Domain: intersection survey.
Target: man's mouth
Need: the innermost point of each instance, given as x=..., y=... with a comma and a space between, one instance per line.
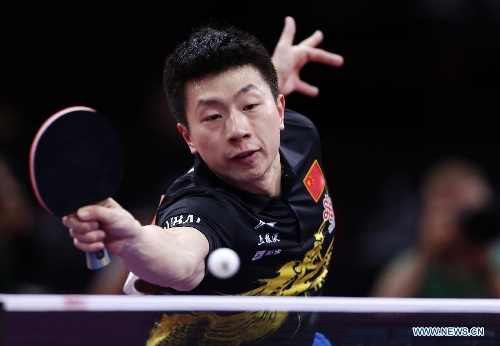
x=244, y=155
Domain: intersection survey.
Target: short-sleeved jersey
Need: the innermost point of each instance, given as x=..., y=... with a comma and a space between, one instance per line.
x=284, y=244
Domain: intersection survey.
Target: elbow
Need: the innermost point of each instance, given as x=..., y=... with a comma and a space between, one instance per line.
x=189, y=279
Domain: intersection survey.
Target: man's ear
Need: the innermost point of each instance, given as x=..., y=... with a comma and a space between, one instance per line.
x=187, y=137
x=280, y=103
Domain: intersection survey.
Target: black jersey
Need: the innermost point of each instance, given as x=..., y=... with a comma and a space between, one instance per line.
x=284, y=243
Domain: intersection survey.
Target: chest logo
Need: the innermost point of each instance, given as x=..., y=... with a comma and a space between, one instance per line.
x=315, y=181
x=262, y=223
x=268, y=238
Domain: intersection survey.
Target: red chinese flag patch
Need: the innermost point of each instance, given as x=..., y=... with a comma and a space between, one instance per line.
x=315, y=181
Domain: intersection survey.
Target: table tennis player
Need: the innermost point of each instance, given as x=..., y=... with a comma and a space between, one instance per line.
x=257, y=186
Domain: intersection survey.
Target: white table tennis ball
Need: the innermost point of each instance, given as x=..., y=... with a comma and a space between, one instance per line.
x=223, y=263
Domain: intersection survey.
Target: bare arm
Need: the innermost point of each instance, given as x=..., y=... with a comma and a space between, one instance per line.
x=494, y=285
x=402, y=277
x=169, y=258
x=494, y=270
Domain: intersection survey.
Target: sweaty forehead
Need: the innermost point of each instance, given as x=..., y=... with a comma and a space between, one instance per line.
x=224, y=87
x=233, y=78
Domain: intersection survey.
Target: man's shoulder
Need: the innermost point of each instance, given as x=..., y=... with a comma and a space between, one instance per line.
x=300, y=133
x=299, y=125
x=294, y=117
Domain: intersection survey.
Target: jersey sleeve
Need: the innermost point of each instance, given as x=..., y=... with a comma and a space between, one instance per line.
x=206, y=214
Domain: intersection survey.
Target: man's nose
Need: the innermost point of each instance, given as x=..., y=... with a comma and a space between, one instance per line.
x=238, y=127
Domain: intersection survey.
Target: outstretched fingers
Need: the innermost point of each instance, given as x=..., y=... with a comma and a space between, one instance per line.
x=322, y=56
x=319, y=55
x=288, y=32
x=306, y=88
x=314, y=40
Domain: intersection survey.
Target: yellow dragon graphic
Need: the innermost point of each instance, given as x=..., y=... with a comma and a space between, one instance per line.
x=211, y=329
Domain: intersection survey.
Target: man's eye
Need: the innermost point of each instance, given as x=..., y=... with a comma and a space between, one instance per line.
x=212, y=117
x=251, y=106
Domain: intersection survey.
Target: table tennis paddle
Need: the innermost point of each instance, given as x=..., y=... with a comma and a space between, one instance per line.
x=76, y=160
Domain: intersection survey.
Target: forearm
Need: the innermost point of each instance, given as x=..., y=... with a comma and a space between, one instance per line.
x=402, y=278
x=160, y=256
x=494, y=271
x=494, y=286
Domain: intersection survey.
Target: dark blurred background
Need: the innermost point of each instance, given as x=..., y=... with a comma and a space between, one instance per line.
x=420, y=81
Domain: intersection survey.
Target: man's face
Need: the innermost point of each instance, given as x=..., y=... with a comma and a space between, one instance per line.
x=234, y=124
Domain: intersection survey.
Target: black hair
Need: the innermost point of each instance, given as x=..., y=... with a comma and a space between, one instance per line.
x=210, y=50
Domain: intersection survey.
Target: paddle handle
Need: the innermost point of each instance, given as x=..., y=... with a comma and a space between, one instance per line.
x=98, y=259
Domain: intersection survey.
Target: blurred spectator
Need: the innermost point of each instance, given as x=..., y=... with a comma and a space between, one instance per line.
x=457, y=251
x=17, y=249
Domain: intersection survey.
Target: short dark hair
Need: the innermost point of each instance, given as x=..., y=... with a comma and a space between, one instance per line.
x=211, y=50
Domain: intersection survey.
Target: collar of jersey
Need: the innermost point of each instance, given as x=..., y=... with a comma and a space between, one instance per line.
x=204, y=176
